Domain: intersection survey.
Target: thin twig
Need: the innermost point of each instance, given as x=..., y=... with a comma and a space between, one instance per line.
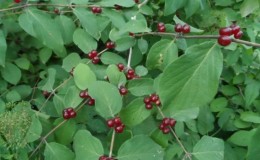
x=141, y=4
x=129, y=58
x=112, y=144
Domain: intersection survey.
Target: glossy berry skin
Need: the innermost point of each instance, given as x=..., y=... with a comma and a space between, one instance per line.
x=66, y=115
x=110, y=45
x=119, y=129
x=172, y=122
x=154, y=98
x=147, y=100
x=166, y=121
x=129, y=77
x=185, y=29
x=178, y=28
x=162, y=126
x=84, y=94
x=95, y=60
x=160, y=24
x=69, y=110
x=238, y=35
x=149, y=106
x=91, y=102
x=235, y=28
x=17, y=1
x=166, y=130
x=131, y=72
x=73, y=114
x=224, y=40
x=110, y=123
x=92, y=54
x=120, y=67
x=117, y=121
x=158, y=103
x=227, y=31
x=123, y=91
x=162, y=29
x=96, y=10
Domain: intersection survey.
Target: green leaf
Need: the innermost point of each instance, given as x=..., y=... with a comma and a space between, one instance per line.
x=141, y=71
x=161, y=54
x=254, y=147
x=200, y=67
x=171, y=6
x=3, y=48
x=192, y=7
x=142, y=45
x=43, y=27
x=112, y=58
x=124, y=43
x=141, y=86
x=11, y=73
x=65, y=133
x=86, y=146
x=22, y=63
x=218, y=104
x=13, y=96
x=84, y=41
x=251, y=92
x=67, y=27
x=184, y=114
x=140, y=147
x=45, y=55
x=241, y=138
x=90, y=23
x=83, y=76
x=205, y=120
x=250, y=116
x=135, y=26
x=115, y=76
x=48, y=86
x=111, y=3
x=108, y=101
x=115, y=17
x=35, y=130
x=134, y=113
x=71, y=61
x=209, y=148
x=72, y=98
x=55, y=151
x=248, y=7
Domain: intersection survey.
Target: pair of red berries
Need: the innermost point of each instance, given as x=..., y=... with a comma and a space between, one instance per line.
x=85, y=95
x=93, y=55
x=106, y=158
x=225, y=33
x=161, y=27
x=69, y=113
x=110, y=45
x=117, y=124
x=166, y=123
x=96, y=10
x=153, y=98
x=182, y=28
x=123, y=90
x=17, y=1
x=130, y=74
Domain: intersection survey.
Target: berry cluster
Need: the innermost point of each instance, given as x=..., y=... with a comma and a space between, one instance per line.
x=161, y=27
x=96, y=10
x=69, y=113
x=130, y=74
x=123, y=90
x=153, y=98
x=110, y=45
x=106, y=158
x=85, y=95
x=117, y=124
x=93, y=55
x=225, y=33
x=166, y=123
x=17, y=1
x=182, y=28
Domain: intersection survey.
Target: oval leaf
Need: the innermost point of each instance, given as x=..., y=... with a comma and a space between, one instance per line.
x=83, y=76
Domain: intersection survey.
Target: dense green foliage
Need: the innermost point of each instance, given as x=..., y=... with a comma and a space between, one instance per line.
x=210, y=90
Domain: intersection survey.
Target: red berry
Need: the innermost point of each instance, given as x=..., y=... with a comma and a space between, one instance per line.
x=162, y=29
x=123, y=90
x=119, y=129
x=102, y=158
x=154, y=98
x=56, y=11
x=238, y=35
x=73, y=114
x=17, y=1
x=120, y=67
x=166, y=130
x=227, y=31
x=117, y=121
x=91, y=102
x=129, y=77
x=178, y=28
x=158, y=102
x=96, y=10
x=235, y=28
x=131, y=72
x=70, y=109
x=162, y=126
x=186, y=29
x=224, y=40
x=92, y=54
x=110, y=123
x=160, y=24
x=166, y=121
x=147, y=100
x=110, y=45
x=95, y=60
x=148, y=106
x=99, y=10
x=136, y=1
x=66, y=115
x=172, y=122
x=118, y=7
x=131, y=34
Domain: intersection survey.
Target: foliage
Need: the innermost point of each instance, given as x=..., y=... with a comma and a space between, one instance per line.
x=210, y=90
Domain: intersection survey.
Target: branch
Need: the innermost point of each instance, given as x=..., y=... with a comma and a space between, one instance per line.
x=112, y=144
x=129, y=58
x=141, y=4
x=178, y=36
